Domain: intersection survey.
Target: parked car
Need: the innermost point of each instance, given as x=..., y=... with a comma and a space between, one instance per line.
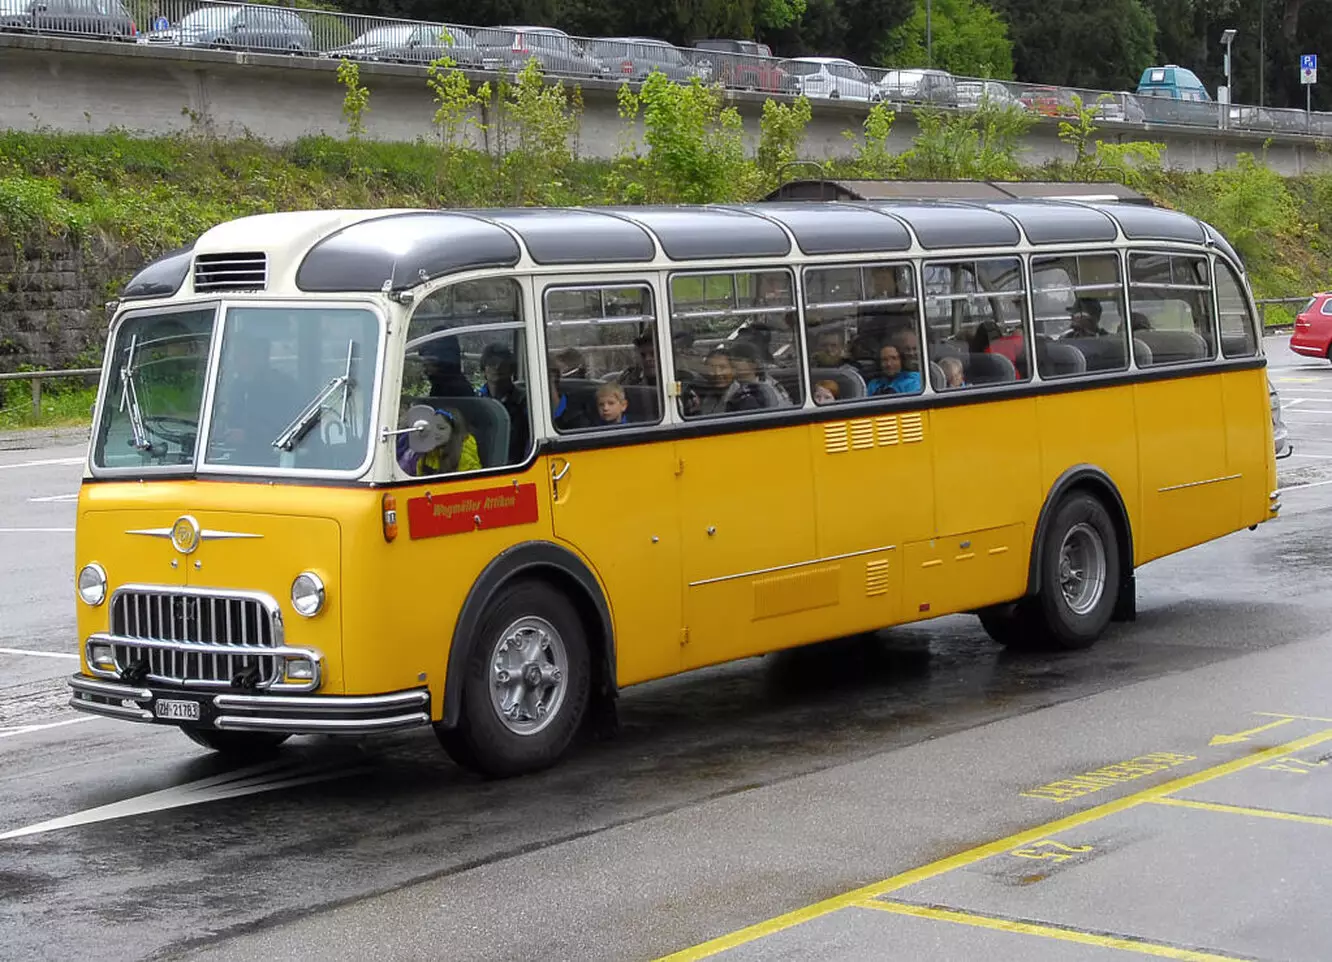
x=917, y=86
x=971, y=93
x=1062, y=102
x=101, y=19
x=828, y=78
x=510, y=48
x=744, y=65
x=633, y=58
x=269, y=29
x=368, y=45
x=1175, y=83
x=1313, y=328
x=431, y=41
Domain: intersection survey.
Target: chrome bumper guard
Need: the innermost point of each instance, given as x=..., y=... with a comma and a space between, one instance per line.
x=290, y=714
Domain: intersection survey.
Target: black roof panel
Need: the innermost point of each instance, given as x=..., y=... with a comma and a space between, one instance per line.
x=575, y=236
x=953, y=225
x=404, y=250
x=700, y=233
x=839, y=228
x=162, y=277
x=1055, y=223
x=1155, y=223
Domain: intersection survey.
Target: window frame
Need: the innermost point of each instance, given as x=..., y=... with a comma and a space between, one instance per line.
x=1025, y=322
x=1208, y=289
x=1121, y=265
x=1218, y=265
x=544, y=287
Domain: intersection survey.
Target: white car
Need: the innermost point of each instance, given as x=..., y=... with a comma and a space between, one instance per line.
x=828, y=78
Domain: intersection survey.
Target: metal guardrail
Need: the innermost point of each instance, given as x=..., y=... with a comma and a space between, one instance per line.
x=1263, y=303
x=36, y=377
x=313, y=33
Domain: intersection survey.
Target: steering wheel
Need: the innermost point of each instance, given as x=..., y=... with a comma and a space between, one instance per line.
x=162, y=425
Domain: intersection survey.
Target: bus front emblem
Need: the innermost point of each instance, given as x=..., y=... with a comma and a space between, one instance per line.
x=185, y=534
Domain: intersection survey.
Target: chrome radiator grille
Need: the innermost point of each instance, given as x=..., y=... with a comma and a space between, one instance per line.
x=183, y=630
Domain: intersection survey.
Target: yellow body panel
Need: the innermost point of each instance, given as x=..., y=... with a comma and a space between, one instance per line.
x=719, y=547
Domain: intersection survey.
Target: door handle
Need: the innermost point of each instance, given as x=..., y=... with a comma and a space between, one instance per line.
x=558, y=469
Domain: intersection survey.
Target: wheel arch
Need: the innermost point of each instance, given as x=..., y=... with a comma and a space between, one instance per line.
x=1093, y=480
x=564, y=570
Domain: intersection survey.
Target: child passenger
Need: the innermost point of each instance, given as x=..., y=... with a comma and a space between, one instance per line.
x=612, y=405
x=952, y=369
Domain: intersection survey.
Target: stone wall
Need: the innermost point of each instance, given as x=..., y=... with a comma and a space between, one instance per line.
x=52, y=300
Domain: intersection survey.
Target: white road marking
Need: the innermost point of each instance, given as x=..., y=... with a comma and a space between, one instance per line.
x=36, y=530
x=55, y=497
x=1311, y=484
x=248, y=781
x=42, y=463
x=1321, y=457
x=38, y=654
x=29, y=729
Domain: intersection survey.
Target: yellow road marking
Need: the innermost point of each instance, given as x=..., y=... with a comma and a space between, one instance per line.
x=1047, y=932
x=1273, y=714
x=1244, y=735
x=874, y=889
x=1242, y=810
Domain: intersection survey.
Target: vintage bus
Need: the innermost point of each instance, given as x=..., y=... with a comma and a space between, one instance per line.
x=357, y=471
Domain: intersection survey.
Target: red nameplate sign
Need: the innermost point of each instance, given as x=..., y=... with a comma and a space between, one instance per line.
x=434, y=515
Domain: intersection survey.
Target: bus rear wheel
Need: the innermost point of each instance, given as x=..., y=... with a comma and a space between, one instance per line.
x=1080, y=575
x=526, y=686
x=236, y=744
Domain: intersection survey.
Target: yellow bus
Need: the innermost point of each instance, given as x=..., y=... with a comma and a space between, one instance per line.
x=358, y=471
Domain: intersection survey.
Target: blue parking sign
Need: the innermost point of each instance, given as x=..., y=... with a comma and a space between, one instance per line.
x=161, y=23
x=1308, y=61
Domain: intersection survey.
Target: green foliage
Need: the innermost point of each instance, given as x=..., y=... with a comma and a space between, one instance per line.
x=1103, y=44
x=1076, y=130
x=968, y=39
x=458, y=114
x=982, y=144
x=537, y=121
x=1249, y=204
x=873, y=158
x=356, y=100
x=696, y=150
x=781, y=134
x=32, y=205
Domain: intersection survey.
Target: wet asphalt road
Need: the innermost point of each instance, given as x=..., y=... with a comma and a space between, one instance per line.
x=731, y=796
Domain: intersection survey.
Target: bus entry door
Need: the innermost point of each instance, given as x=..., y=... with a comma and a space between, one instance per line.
x=617, y=508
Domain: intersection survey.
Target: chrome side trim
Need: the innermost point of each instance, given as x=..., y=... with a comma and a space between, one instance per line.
x=323, y=703
x=1195, y=484
x=89, y=686
x=113, y=711
x=317, y=726
x=796, y=564
x=204, y=534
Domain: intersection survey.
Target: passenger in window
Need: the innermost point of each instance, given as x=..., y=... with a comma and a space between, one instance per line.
x=710, y=395
x=892, y=378
x=645, y=371
x=747, y=362
x=1085, y=317
x=1138, y=322
x=954, y=375
x=826, y=392
x=612, y=404
x=863, y=354
x=565, y=415
x=456, y=450
x=828, y=349
x=442, y=359
x=907, y=343
x=571, y=362
x=499, y=368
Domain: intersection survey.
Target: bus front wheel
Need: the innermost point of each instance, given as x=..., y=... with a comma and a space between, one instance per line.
x=1080, y=575
x=526, y=687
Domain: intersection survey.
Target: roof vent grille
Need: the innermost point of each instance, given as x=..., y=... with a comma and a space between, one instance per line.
x=231, y=272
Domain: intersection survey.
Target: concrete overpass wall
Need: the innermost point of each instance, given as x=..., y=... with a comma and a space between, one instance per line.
x=73, y=85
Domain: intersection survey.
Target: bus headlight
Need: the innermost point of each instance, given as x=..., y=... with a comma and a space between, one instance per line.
x=102, y=657
x=92, y=585
x=307, y=594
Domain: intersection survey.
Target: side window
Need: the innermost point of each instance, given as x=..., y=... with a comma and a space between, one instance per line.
x=734, y=340
x=601, y=356
x=1170, y=300
x=974, y=313
x=854, y=316
x=464, y=375
x=1078, y=314
x=1239, y=337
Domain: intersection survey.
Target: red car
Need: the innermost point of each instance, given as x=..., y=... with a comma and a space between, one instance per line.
x=1313, y=328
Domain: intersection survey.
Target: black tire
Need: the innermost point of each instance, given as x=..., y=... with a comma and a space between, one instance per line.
x=1010, y=625
x=236, y=744
x=483, y=741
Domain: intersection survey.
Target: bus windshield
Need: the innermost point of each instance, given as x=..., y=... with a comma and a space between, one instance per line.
x=294, y=390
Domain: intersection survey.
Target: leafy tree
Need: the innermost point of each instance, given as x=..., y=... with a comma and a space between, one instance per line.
x=1101, y=44
x=967, y=38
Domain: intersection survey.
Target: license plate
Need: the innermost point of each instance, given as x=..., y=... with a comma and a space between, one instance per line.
x=176, y=710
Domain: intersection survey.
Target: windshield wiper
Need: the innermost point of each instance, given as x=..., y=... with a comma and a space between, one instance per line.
x=129, y=400
x=294, y=431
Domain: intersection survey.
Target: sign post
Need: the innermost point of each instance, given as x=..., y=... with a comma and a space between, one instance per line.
x=1308, y=77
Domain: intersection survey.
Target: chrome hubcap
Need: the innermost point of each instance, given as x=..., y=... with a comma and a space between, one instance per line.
x=1082, y=568
x=529, y=667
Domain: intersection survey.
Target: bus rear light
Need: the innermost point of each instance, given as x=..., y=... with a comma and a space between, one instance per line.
x=627, y=67
x=390, y=517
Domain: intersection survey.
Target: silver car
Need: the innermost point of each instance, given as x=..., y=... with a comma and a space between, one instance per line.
x=828, y=78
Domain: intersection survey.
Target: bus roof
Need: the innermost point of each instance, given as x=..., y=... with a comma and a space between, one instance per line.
x=394, y=250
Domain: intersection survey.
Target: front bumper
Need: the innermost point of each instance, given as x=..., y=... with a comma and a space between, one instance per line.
x=289, y=714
